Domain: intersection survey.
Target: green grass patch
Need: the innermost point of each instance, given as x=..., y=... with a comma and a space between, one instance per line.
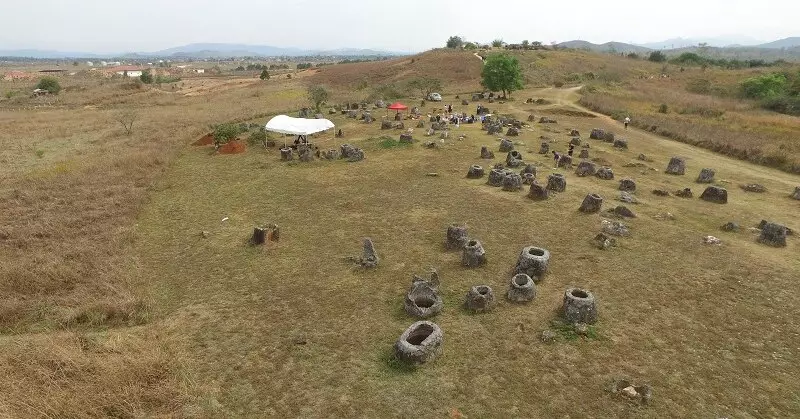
x=385, y=142
x=566, y=331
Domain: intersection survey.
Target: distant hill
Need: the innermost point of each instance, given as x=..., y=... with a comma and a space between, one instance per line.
x=606, y=47
x=720, y=41
x=782, y=43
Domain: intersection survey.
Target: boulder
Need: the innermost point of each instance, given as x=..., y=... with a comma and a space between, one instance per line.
x=386, y=124
x=586, y=168
x=641, y=394
x=356, y=155
x=615, y=228
x=331, y=154
x=579, y=306
x=512, y=132
x=597, y=134
x=369, y=258
x=544, y=148
x=528, y=178
x=730, y=226
x=521, y=289
x=627, y=185
x=623, y=211
x=556, y=182
x=305, y=154
x=438, y=126
x=753, y=187
x=473, y=254
x=514, y=158
x=475, y=172
x=493, y=129
x=531, y=118
x=584, y=154
x=479, y=299
x=496, y=177
x=533, y=262
x=620, y=143
x=591, y=204
x=706, y=176
x=715, y=194
x=609, y=137
x=574, y=133
x=423, y=299
x=287, y=154
x=419, y=344
x=512, y=182
x=605, y=173
x=464, y=102
x=398, y=125
x=627, y=198
x=537, y=192
x=773, y=234
x=546, y=120
x=642, y=157
x=796, y=193
x=380, y=103
x=406, y=138
x=528, y=169
x=684, y=193
x=604, y=242
x=486, y=153
x=576, y=141
x=676, y=166
x=456, y=237
x=565, y=161
x=506, y=146
x=660, y=192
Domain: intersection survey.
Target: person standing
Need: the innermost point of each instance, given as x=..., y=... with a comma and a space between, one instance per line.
x=627, y=121
x=571, y=149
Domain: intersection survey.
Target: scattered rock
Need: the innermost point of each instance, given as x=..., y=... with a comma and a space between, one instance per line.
x=623, y=211
x=512, y=132
x=730, y=226
x=473, y=254
x=287, y=154
x=369, y=258
x=506, y=146
x=205, y=234
x=660, y=192
x=475, y=172
x=480, y=298
x=753, y=187
x=597, y=134
x=548, y=336
x=512, y=182
x=544, y=148
x=706, y=176
x=521, y=289
x=684, y=193
x=605, y=173
x=533, y=261
x=565, y=161
x=546, y=120
x=529, y=169
x=586, y=168
x=591, y=204
x=615, y=228
x=537, y=192
x=796, y=193
x=664, y=216
x=496, y=177
x=712, y=240
x=576, y=141
x=528, y=178
x=386, y=124
x=604, y=242
x=620, y=143
x=584, y=154
x=609, y=137
x=642, y=157
x=514, y=159
x=641, y=394
x=406, y=138
x=420, y=343
x=627, y=198
x=456, y=237
x=556, y=182
x=676, y=166
x=581, y=329
x=574, y=133
x=331, y=154
x=627, y=185
x=715, y=194
x=579, y=306
x=486, y=154
x=773, y=234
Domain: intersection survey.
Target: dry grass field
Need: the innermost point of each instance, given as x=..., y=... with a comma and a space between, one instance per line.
x=114, y=304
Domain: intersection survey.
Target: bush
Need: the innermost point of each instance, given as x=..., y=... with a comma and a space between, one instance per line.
x=699, y=86
x=167, y=79
x=454, y=42
x=789, y=105
x=225, y=132
x=50, y=84
x=146, y=77
x=257, y=138
x=559, y=83
x=663, y=108
x=657, y=57
x=264, y=74
x=763, y=87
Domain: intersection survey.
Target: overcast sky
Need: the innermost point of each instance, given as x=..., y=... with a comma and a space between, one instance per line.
x=405, y=25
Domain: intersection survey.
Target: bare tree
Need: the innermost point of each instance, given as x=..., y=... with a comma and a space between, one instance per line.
x=127, y=118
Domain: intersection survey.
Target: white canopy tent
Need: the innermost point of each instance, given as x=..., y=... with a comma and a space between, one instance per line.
x=298, y=126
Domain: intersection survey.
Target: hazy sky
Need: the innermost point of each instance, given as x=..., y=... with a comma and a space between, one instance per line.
x=405, y=25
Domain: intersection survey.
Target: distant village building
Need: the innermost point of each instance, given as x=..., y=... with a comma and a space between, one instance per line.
x=199, y=70
x=123, y=70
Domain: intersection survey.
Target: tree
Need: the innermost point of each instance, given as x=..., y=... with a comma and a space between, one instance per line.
x=470, y=46
x=264, y=74
x=74, y=63
x=126, y=119
x=317, y=95
x=426, y=85
x=537, y=45
x=497, y=43
x=455, y=42
x=526, y=44
x=146, y=77
x=657, y=57
x=224, y=133
x=50, y=84
x=501, y=72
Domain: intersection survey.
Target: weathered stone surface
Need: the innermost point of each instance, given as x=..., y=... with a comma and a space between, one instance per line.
x=586, y=168
x=493, y=129
x=406, y=138
x=627, y=198
x=512, y=182
x=579, y=306
x=331, y=154
x=623, y=211
x=591, y=204
x=423, y=299
x=398, y=125
x=351, y=153
x=369, y=257
x=773, y=234
x=754, y=187
x=676, y=166
x=642, y=157
x=512, y=132
x=486, y=153
x=521, y=289
x=615, y=228
x=546, y=120
x=609, y=137
x=479, y=299
x=565, y=161
x=597, y=134
x=496, y=177
x=438, y=126
x=473, y=254
x=528, y=169
x=605, y=173
x=715, y=194
x=305, y=154
x=796, y=193
x=528, y=178
x=660, y=192
x=730, y=226
x=706, y=176
x=421, y=124
x=574, y=133
x=584, y=154
x=556, y=182
x=420, y=343
x=604, y=242
x=548, y=336
x=576, y=141
x=386, y=124
x=537, y=192
x=627, y=185
x=684, y=193
x=533, y=261
x=544, y=148
x=625, y=388
x=531, y=118
x=514, y=158
x=475, y=172
x=506, y=146
x=620, y=143
x=287, y=154
x=456, y=237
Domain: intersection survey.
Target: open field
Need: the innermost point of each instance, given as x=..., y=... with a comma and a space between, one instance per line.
x=115, y=305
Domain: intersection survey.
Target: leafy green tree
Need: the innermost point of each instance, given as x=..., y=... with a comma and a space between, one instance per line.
x=497, y=43
x=425, y=85
x=537, y=45
x=50, y=84
x=766, y=86
x=146, y=77
x=470, y=46
x=657, y=57
x=264, y=74
x=224, y=133
x=317, y=95
x=455, y=42
x=501, y=72
x=526, y=44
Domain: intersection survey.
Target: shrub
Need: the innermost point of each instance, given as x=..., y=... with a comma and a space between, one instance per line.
x=497, y=43
x=700, y=86
x=657, y=57
x=264, y=74
x=559, y=83
x=762, y=87
x=225, y=132
x=789, y=105
x=146, y=77
x=50, y=84
x=663, y=108
x=257, y=137
x=454, y=42
x=167, y=79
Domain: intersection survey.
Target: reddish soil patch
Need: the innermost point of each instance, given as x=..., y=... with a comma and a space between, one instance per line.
x=207, y=139
x=232, y=147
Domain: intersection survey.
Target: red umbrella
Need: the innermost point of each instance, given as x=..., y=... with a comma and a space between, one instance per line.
x=397, y=106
